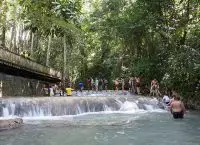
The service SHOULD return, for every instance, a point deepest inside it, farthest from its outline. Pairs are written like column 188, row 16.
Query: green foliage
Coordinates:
column 118, row 38
column 150, row 39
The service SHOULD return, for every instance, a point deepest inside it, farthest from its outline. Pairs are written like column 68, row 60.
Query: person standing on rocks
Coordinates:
column 88, row 84
column 96, row 84
column 123, row 84
column 137, row 79
column 100, row 84
column 105, row 82
column 116, row 85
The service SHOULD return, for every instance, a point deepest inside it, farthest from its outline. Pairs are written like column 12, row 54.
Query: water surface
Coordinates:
column 143, row 128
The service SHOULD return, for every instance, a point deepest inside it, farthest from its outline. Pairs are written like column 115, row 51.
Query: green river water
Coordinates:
column 147, row 128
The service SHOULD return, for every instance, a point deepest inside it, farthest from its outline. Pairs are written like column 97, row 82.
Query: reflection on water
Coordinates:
column 151, row 128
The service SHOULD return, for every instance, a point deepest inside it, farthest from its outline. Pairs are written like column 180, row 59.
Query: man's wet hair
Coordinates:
column 176, row 97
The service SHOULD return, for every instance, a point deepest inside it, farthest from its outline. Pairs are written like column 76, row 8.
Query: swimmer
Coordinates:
column 177, row 108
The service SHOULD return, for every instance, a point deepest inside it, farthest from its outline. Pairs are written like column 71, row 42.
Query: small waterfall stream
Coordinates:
column 60, row 106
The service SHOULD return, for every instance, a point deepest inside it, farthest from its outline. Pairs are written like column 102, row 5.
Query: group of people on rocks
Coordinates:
column 102, row 84
column 97, row 84
column 174, row 103
column 133, row 84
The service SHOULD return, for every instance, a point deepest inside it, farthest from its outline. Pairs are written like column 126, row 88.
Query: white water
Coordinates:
column 58, row 108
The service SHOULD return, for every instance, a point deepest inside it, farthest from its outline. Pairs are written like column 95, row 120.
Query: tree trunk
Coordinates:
column 11, row 39
column 20, row 37
column 64, row 59
column 32, row 42
column 48, row 51
column 3, row 37
column 15, row 38
column 3, row 21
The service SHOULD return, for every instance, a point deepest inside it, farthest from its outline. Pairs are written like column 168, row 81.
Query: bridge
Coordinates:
column 20, row 76
column 14, row 64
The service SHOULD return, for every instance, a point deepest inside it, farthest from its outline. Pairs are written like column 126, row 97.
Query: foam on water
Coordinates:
column 58, row 108
column 71, row 117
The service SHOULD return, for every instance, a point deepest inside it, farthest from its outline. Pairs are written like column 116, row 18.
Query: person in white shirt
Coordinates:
column 51, row 92
column 166, row 99
column 97, row 84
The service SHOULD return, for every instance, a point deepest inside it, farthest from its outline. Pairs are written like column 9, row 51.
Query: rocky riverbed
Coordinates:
column 6, row 124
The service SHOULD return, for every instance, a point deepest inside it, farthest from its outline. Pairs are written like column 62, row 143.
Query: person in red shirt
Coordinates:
column 88, row 84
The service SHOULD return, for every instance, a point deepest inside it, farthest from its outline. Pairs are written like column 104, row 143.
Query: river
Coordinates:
column 147, row 128
column 97, row 121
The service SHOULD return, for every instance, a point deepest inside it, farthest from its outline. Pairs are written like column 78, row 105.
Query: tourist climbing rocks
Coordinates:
column 177, row 108
column 69, row 91
column 92, row 84
column 123, row 84
column 105, row 82
column 116, row 85
column 100, row 84
column 51, row 91
column 154, row 90
column 89, row 84
column 137, row 80
column 132, row 87
column 96, row 84
column 81, row 86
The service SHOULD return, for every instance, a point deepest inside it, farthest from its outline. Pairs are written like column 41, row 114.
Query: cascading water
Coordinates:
column 61, row 106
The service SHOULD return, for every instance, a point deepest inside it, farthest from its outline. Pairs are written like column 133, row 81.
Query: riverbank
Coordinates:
column 6, row 124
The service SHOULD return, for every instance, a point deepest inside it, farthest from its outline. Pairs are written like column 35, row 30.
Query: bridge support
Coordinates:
column 23, row 77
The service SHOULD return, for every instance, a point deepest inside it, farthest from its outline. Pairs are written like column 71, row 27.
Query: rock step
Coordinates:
column 6, row 124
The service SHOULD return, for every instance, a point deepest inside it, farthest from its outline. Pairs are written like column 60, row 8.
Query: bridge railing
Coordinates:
column 19, row 61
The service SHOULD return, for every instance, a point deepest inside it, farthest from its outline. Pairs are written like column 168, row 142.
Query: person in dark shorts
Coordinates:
column 116, row 85
column 100, row 85
column 88, row 84
column 177, row 108
column 137, row 79
column 81, row 86
column 105, row 82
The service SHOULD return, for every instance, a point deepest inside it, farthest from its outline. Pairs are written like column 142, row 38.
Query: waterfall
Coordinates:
column 61, row 106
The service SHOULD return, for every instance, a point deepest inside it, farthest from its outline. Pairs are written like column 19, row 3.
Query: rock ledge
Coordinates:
column 6, row 124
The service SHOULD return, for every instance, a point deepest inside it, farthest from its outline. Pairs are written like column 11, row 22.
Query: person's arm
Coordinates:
column 158, row 86
column 170, row 107
column 183, row 107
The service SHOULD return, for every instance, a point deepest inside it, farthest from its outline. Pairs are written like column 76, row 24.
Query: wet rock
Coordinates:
column 10, row 123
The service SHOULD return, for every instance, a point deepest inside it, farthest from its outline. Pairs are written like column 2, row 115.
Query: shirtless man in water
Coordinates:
column 177, row 108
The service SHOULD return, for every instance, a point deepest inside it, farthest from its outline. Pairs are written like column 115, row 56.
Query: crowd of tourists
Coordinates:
column 175, row 105
column 133, row 84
